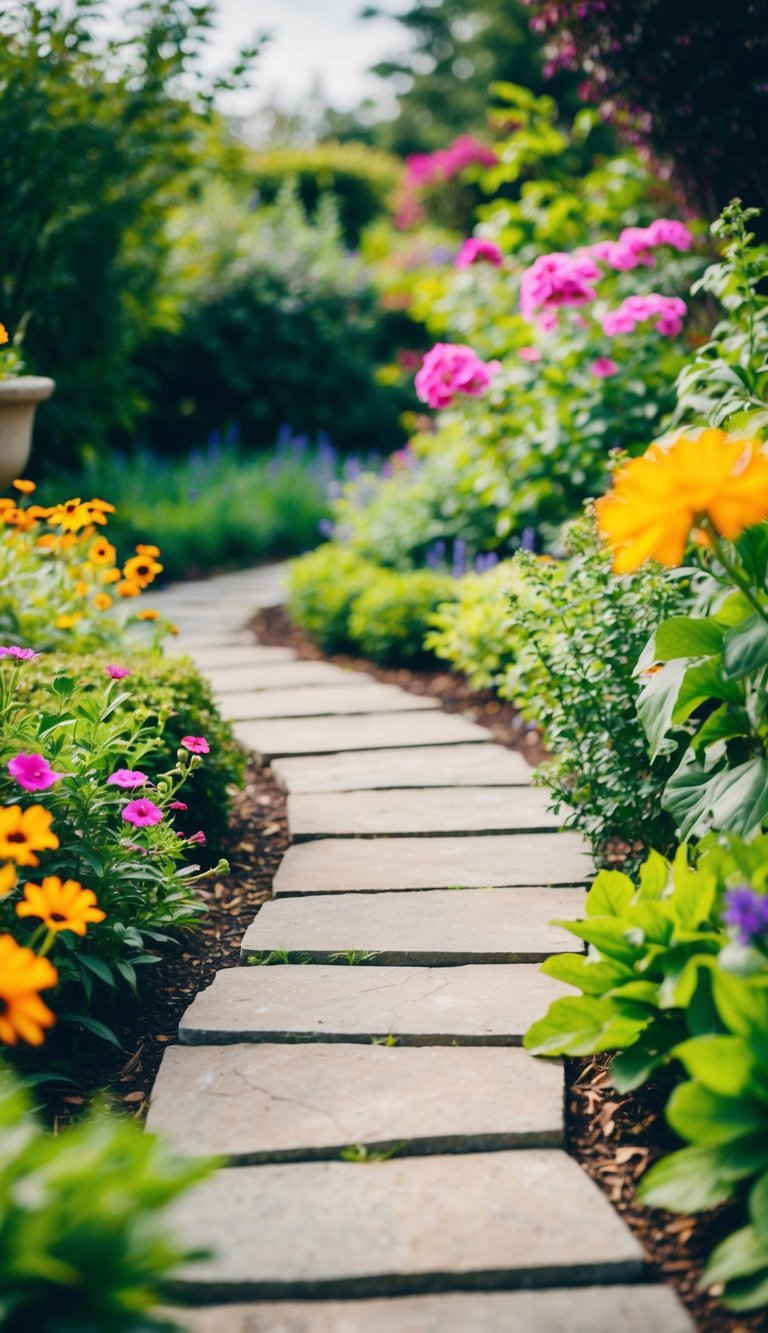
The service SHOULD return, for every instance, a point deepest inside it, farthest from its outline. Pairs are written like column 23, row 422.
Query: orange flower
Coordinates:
column 6, row 503
column 68, row 621
column 102, row 601
column 3, row 335
column 102, row 506
column 148, row 613
column 147, row 550
column 102, row 552
column 128, row 588
column 142, row 569
column 82, row 589
column 22, row 1012
column 61, row 905
column 110, row 576
column 48, row 542
column 24, row 832
column 7, row 879
column 26, row 487
column 39, row 511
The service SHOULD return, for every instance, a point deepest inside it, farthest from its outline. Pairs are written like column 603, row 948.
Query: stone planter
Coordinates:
column 18, row 400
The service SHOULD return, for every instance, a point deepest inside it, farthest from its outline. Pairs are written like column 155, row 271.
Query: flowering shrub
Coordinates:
column 436, row 184
column 450, row 369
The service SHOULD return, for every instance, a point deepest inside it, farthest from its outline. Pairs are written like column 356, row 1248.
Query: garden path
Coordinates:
column 395, row 1160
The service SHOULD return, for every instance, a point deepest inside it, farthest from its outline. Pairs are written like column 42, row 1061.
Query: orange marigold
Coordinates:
column 61, row 904
column 22, row 975
column 24, row 832
column 658, row 499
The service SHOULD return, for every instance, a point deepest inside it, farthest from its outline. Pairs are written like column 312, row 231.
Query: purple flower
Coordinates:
column 21, row 654
column 33, row 772
column 127, row 778
column 747, row 911
column 142, row 813
column 117, row 672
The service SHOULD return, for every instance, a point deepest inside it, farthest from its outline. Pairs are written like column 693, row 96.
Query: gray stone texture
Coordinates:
column 323, row 735
column 427, row 929
column 339, row 865
column 339, row 702
column 530, row 1218
column 469, row 1005
column 285, row 676
column 420, row 812
column 281, row 1102
column 429, row 766
column 242, row 655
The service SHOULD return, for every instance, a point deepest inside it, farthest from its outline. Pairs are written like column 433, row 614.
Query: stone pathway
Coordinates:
column 394, row 1159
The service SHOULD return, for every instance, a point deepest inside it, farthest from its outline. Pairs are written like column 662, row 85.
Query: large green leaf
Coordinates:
column 707, row 1119
column 687, row 1181
column 745, row 648
column 610, row 894
column 582, row 1025
column 593, row 976
column 733, row 799
column 721, row 1063
column 739, row 1255
column 688, row 636
column 656, row 702
column 727, row 721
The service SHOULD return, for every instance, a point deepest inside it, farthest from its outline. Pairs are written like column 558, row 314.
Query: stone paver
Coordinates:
column 427, row 929
column 343, row 865
column 614, row 1309
column 324, row 735
column 244, row 654
column 420, row 812
column 427, row 766
column 530, row 1218
column 313, row 703
column 284, row 676
column 277, row 1103
column 419, row 1006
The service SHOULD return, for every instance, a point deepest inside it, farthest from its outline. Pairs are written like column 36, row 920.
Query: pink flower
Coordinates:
column 604, row 367
column 557, row 280
column 667, row 310
column 178, row 805
column 475, row 250
column 142, row 813
column 666, row 231
column 33, row 772
column 196, row 744
column 429, row 168
column 127, row 778
column 199, row 838
column 451, row 368
column 116, row 672
column 21, row 654
column 529, row 353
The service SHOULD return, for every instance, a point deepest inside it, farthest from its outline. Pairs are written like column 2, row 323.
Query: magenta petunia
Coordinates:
column 127, row 778
column 117, row 672
column 196, row 744
column 554, row 281
column 33, row 772
column 21, row 654
column 178, row 805
column 142, row 813
column 477, row 251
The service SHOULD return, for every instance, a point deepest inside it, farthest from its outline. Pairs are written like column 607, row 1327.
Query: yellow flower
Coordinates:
column 141, row 569
column 3, row 335
column 76, row 514
column 7, row 879
column 102, row 506
column 48, row 542
column 148, row 613
column 147, row 550
column 61, row 905
column 658, row 499
column 22, row 1012
column 102, row 601
column 128, row 588
column 26, row 487
column 68, row 621
column 102, row 552
column 82, row 589
column 24, row 832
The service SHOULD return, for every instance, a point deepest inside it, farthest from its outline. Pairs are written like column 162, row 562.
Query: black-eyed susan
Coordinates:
column 101, row 552
column 128, row 588
column 25, row 832
column 23, row 1015
column 142, row 569
column 61, row 905
column 3, row 335
column 110, row 576
column 7, row 878
column 148, row 550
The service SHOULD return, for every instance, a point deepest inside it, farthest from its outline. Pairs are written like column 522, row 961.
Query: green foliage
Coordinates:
column 389, row 619
column 360, row 178
column 322, row 588
column 281, row 324
column 473, row 631
column 84, row 1237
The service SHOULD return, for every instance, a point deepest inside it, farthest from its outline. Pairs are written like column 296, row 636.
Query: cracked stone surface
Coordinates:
column 338, row 865
column 328, row 702
column 428, row 929
column 284, row 676
column 530, row 1218
column 429, row 766
column 325, row 735
column 277, row 1102
column 421, row 812
column 615, row 1309
column 469, row 1005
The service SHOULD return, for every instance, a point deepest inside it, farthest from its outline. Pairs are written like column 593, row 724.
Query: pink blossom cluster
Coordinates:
column 477, row 251
column 428, row 168
column 667, row 311
column 635, row 244
column 451, row 368
column 556, row 280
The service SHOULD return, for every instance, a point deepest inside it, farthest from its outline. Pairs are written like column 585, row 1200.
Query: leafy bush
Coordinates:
column 84, row 1237
column 322, row 588
column 360, row 178
column 473, row 631
column 389, row 619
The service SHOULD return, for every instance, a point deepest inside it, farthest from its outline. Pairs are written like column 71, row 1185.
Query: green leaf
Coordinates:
column 630, row 1069
column 742, row 1003
column 687, row 1181
column 688, row 636
column 707, row 1119
column 656, row 703
column 97, row 965
column 592, row 975
column 740, row 1255
column 727, row 721
column 64, row 686
column 654, row 876
column 721, row 1063
column 93, row 1025
column 733, row 799
column 610, row 894
column 703, row 681
column 758, row 1207
column 745, row 648
column 581, row 1026
column 606, row 933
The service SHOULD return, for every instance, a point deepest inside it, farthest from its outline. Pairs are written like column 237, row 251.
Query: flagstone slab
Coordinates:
column 346, row 865
column 426, row 929
column 531, row 1218
column 285, row 676
column 427, row 766
column 329, row 702
column 611, row 1309
column 245, row 654
column 418, row 1006
column 422, row 812
column 189, row 641
column 325, row 735
column 285, row 1102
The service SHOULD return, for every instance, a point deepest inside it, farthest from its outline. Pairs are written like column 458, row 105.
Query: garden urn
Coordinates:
column 19, row 397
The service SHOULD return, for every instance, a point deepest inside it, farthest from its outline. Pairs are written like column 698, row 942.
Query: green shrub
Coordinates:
column 361, row 179
column 474, row 631
column 390, row 618
column 322, row 588
column 85, row 1242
